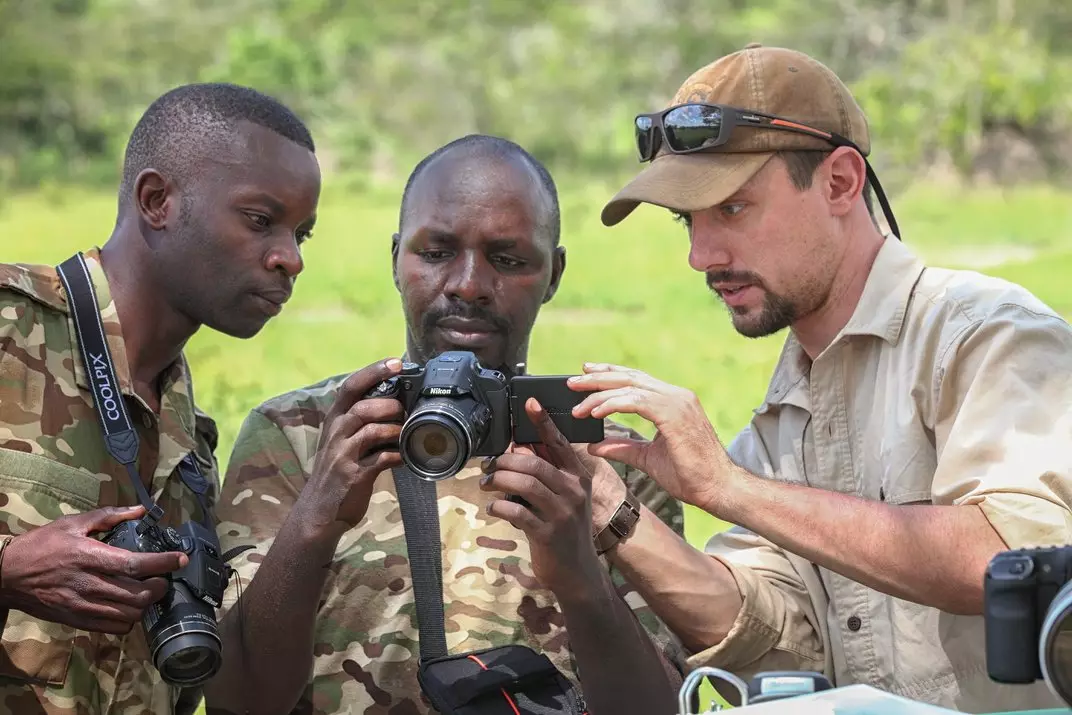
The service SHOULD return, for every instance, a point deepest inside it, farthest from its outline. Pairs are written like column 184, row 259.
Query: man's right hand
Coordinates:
column 351, row 451
column 59, row 573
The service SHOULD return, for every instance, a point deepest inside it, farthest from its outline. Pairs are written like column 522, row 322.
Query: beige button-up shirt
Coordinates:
column 945, row 387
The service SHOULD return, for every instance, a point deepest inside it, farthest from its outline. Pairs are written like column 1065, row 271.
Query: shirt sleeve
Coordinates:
column 781, row 622
column 264, row 478
column 1003, row 424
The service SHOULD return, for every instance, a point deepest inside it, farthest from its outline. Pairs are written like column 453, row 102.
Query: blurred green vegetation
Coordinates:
column 383, row 83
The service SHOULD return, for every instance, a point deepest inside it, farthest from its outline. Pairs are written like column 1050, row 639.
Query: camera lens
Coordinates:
column 183, row 638
column 1055, row 645
column 435, row 443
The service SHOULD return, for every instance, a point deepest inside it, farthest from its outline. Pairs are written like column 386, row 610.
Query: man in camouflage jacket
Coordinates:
column 180, row 256
column 326, row 622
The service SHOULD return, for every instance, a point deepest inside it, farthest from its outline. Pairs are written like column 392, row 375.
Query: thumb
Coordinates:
column 621, row 449
column 106, row 518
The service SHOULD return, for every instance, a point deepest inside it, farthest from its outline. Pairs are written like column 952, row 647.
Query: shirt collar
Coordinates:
column 880, row 312
column 883, row 304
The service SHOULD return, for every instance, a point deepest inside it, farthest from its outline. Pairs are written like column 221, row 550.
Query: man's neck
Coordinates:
column 817, row 330
column 154, row 333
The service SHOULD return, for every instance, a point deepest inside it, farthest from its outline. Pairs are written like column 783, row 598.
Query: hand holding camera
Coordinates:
column 351, row 452
column 456, row 409
column 557, row 513
column 59, row 573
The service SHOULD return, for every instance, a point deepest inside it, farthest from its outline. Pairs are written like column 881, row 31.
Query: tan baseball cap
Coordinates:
column 770, row 80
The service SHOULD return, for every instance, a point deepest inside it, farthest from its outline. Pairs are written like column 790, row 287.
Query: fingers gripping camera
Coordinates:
column 456, row 409
column 181, row 627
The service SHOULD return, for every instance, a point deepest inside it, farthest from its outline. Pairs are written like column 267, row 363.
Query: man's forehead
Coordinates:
column 251, row 152
column 481, row 187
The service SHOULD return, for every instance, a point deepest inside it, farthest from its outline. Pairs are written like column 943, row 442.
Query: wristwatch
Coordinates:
column 620, row 526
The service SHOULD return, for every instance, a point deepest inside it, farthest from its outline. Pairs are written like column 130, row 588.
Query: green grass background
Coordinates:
column 628, row 295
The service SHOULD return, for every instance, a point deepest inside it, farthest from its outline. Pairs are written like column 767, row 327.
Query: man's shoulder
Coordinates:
column 33, row 282
column 302, row 407
column 961, row 297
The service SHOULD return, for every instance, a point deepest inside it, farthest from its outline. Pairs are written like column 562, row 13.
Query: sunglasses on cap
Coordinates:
column 696, row 127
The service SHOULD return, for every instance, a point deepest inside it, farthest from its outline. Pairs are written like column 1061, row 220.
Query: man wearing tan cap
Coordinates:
column 917, row 423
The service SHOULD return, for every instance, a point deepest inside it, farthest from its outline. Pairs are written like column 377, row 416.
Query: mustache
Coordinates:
column 467, row 311
column 727, row 276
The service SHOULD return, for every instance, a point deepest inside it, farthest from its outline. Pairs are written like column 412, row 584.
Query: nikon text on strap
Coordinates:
column 504, row 680
column 120, row 437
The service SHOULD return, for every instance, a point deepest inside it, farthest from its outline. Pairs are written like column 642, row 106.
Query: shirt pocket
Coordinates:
column 904, row 473
column 37, row 490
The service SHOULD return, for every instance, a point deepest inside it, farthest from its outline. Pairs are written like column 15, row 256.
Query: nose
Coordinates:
column 470, row 279
column 286, row 257
column 707, row 249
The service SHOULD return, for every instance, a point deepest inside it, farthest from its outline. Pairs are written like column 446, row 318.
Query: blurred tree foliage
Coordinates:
column 383, row 82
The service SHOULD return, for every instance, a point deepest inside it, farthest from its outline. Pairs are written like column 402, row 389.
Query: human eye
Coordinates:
column 683, row 218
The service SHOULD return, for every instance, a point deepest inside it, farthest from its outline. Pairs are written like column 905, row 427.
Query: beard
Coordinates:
column 776, row 313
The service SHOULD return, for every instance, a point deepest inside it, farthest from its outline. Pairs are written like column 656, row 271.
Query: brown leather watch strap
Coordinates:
column 620, row 526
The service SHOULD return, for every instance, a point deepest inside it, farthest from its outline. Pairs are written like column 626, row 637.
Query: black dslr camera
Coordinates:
column 1028, row 618
column 456, row 409
column 181, row 627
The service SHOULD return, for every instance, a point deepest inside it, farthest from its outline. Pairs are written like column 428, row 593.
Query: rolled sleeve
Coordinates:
column 780, row 625
column 1003, row 425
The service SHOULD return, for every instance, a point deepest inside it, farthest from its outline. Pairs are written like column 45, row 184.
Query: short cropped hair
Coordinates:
column 178, row 127
column 491, row 147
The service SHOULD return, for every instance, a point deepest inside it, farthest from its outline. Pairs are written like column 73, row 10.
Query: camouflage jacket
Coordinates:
column 53, row 463
column 365, row 658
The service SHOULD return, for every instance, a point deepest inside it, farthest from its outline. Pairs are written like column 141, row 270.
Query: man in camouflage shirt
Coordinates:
column 202, row 163
column 327, row 618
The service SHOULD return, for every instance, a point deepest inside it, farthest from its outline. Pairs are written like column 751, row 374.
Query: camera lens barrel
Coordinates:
column 183, row 638
column 437, row 440
column 1055, row 645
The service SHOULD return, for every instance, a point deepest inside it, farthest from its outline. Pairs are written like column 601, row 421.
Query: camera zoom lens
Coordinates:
column 183, row 638
column 190, row 659
column 434, row 445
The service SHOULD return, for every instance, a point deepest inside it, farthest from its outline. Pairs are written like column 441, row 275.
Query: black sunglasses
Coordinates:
column 696, row 127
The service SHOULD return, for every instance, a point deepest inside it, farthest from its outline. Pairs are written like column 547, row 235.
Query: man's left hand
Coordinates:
column 686, row 456
column 557, row 518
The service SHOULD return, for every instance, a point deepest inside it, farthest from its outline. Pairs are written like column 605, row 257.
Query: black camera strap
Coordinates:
column 417, row 500
column 120, row 437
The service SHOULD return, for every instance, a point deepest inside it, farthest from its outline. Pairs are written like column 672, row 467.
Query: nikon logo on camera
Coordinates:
column 104, row 385
column 444, row 391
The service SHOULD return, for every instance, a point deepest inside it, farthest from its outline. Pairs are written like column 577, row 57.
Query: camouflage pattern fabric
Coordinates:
column 53, row 463
column 365, row 657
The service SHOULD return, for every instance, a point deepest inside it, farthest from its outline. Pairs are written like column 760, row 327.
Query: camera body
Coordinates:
column 457, row 409
column 1019, row 589
column 181, row 627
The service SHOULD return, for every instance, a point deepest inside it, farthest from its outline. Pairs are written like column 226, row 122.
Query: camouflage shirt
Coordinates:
column 53, row 463
column 365, row 657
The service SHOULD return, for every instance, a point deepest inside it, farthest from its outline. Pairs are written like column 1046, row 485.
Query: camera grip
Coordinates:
column 1011, row 621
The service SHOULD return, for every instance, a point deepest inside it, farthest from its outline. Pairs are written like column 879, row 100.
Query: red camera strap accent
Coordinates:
column 503, row 690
